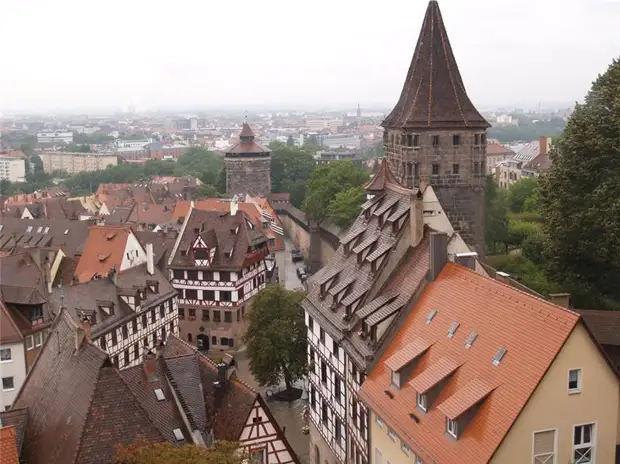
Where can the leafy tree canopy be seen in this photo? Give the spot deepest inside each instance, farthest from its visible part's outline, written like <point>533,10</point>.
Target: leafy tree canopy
<point>142,452</point>
<point>522,193</point>
<point>291,167</point>
<point>580,197</point>
<point>276,336</point>
<point>206,191</point>
<point>345,206</point>
<point>326,183</point>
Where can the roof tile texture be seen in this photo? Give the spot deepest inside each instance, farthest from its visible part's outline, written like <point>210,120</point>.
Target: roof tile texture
<point>532,330</point>
<point>434,95</point>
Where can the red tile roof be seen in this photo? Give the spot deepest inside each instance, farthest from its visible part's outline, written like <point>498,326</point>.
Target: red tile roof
<point>9,331</point>
<point>531,330</point>
<point>8,446</point>
<point>104,248</point>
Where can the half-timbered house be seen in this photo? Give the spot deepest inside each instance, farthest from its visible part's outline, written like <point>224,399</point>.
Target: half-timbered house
<point>175,394</point>
<point>217,265</point>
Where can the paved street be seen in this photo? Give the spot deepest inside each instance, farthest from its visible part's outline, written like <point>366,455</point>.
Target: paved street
<point>288,415</point>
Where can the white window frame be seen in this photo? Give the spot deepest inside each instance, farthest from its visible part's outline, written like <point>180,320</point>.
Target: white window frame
<point>452,427</point>
<point>30,339</point>
<point>379,421</point>
<point>579,370</point>
<point>555,445</point>
<point>422,401</point>
<point>10,355</point>
<point>591,444</point>
<point>418,460</point>
<point>405,449</point>
<point>38,343</point>
<point>391,434</point>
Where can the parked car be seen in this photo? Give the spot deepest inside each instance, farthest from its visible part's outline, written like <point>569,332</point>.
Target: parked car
<point>296,255</point>
<point>301,271</point>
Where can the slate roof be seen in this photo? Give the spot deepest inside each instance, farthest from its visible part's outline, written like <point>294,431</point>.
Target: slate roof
<point>78,407</point>
<point>221,231</point>
<point>84,296</point>
<point>9,330</point>
<point>66,234</point>
<point>371,297</point>
<point>434,95</point>
<point>604,325</point>
<point>530,329</point>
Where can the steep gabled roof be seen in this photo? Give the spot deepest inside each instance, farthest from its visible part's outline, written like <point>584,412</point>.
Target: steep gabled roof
<point>434,95</point>
<point>531,331</point>
<point>9,330</point>
<point>78,407</point>
<point>104,248</point>
<point>246,144</point>
<point>384,179</point>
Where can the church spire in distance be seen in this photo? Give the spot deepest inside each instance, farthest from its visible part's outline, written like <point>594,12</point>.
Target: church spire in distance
<point>434,95</point>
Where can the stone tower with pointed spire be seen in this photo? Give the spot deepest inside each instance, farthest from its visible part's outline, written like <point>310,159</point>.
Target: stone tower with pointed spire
<point>435,135</point>
<point>248,166</point>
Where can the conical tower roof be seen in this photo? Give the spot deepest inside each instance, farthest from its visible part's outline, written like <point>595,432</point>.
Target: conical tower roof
<point>434,95</point>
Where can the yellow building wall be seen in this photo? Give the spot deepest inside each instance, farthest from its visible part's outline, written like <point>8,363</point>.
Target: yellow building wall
<point>552,407</point>
<point>390,449</point>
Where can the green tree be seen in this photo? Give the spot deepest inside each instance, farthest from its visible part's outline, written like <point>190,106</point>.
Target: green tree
<point>276,337</point>
<point>220,184</point>
<point>77,148</point>
<point>206,191</point>
<point>291,168</point>
<point>326,182</point>
<point>142,452</point>
<point>496,227</point>
<point>345,206</point>
<point>521,193</point>
<point>580,198</point>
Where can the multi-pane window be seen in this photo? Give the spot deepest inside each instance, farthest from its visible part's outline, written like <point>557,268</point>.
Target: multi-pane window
<point>323,372</point>
<point>583,444</point>
<point>416,140</point>
<point>435,168</point>
<point>114,341</point>
<point>153,316</point>
<point>456,140</point>
<point>574,381</point>
<point>134,326</point>
<point>337,431</point>
<point>208,295</point>
<point>422,401</point>
<point>452,427</point>
<point>178,274</point>
<point>216,316</point>
<point>162,311</point>
<point>8,383</point>
<point>5,354</point>
<point>225,276</point>
<point>310,323</point>
<point>126,357</point>
<point>125,332</point>
<point>391,434</point>
<point>337,388</point>
<point>205,315</point>
<point>335,348</point>
<point>322,336</point>
<point>191,294</point>
<point>544,447</point>
<point>192,313</point>
<point>225,296</point>
<point>144,321</point>
<point>324,412</point>
<point>455,168</point>
<point>435,140</point>
<point>227,316</point>
<point>38,339</point>
<point>181,314</point>
<point>192,275</point>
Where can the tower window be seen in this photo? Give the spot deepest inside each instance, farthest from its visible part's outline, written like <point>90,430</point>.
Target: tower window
<point>483,139</point>
<point>456,140</point>
<point>455,168</point>
<point>476,167</point>
<point>403,139</point>
<point>476,139</point>
<point>416,140</point>
<point>435,140</point>
<point>435,169</point>
<point>409,140</point>
<point>392,139</point>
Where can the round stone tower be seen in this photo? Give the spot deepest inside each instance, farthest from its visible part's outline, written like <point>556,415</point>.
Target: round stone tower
<point>248,166</point>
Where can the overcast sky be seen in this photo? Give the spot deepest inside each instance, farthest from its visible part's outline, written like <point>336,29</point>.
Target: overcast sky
<point>80,53</point>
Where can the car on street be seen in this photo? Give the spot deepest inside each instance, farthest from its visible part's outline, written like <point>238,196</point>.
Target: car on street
<point>301,273</point>
<point>296,255</point>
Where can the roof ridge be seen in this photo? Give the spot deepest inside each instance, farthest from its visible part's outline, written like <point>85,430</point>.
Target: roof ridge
<point>515,289</point>
<point>5,310</point>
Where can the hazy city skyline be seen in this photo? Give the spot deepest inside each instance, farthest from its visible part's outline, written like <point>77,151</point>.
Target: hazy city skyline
<point>275,53</point>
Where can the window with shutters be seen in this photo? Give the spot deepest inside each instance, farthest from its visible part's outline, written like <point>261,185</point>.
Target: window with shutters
<point>583,444</point>
<point>544,447</point>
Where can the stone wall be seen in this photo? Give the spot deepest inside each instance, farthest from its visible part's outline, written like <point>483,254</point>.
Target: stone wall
<point>248,175</point>
<point>296,228</point>
<point>457,173</point>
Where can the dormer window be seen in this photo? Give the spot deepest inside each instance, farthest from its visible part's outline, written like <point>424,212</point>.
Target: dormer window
<point>422,401</point>
<point>452,428</point>
<point>396,379</point>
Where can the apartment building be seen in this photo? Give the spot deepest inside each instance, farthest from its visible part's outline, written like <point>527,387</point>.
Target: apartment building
<point>76,162</point>
<point>217,265</point>
<point>482,372</point>
<point>54,137</point>
<point>12,169</point>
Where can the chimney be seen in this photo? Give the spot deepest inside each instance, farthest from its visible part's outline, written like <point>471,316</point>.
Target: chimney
<point>438,253</point>
<point>502,277</point>
<point>234,206</point>
<point>159,348</point>
<point>560,299</point>
<point>87,327</point>
<point>543,147</point>
<point>79,338</point>
<point>150,366</point>
<point>467,259</point>
<point>150,264</point>
<point>416,219</point>
<point>222,377</point>
<point>112,275</point>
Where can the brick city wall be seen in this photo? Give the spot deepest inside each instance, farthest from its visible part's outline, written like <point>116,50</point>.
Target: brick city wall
<point>248,175</point>
<point>457,174</point>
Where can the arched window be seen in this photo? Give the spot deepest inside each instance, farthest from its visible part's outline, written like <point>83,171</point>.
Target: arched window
<point>317,455</point>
